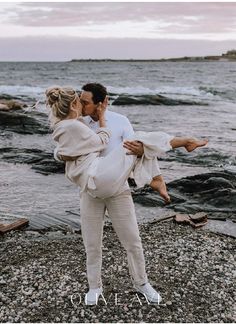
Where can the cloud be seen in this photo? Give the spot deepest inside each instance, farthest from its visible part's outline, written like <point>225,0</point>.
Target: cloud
<point>177,17</point>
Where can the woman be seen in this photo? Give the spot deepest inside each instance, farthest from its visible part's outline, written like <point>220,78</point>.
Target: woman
<point>64,109</point>
<point>99,176</point>
<point>102,177</point>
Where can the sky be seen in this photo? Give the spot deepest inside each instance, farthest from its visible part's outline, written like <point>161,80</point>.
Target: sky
<point>61,31</point>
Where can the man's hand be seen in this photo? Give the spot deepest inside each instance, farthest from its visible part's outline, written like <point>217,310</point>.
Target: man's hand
<point>67,158</point>
<point>101,110</point>
<point>135,148</point>
<point>102,106</point>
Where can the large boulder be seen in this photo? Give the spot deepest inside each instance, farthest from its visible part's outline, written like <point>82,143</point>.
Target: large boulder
<point>7,105</point>
<point>126,99</point>
<point>214,193</point>
<point>23,123</point>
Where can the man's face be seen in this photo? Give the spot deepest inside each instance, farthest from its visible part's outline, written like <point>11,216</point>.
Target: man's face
<point>89,108</point>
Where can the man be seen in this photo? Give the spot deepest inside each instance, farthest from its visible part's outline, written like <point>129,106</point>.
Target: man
<point>120,208</point>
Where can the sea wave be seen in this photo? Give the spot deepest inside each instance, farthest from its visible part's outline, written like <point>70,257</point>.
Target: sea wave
<point>139,90</point>
<point>174,92</point>
<point>28,91</point>
<point>224,93</point>
<point>163,89</point>
<point>126,100</point>
<point>203,94</point>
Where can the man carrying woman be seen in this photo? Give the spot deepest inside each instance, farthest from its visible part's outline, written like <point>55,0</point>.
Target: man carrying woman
<point>101,153</point>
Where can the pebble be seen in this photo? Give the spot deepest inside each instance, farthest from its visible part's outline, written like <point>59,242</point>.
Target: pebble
<point>3,282</point>
<point>169,303</point>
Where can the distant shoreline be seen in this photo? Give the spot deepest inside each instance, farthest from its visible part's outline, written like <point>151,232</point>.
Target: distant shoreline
<point>221,58</point>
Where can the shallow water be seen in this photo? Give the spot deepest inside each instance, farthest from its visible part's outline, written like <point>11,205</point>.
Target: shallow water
<point>43,199</point>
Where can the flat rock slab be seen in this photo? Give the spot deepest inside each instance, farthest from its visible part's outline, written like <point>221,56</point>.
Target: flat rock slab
<point>196,220</point>
<point>224,227</point>
<point>221,227</point>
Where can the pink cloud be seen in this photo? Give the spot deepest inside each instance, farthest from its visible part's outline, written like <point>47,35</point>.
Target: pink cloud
<point>209,17</point>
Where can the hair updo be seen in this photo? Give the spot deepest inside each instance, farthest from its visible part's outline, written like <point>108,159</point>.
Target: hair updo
<point>59,99</point>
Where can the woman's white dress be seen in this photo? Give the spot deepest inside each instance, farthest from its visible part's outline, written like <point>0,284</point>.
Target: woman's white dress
<point>102,177</point>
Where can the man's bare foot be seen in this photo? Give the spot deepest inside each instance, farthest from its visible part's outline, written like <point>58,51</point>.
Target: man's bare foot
<point>158,184</point>
<point>194,143</point>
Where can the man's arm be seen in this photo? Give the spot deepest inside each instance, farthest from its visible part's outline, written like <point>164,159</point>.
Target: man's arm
<point>128,131</point>
<point>135,147</point>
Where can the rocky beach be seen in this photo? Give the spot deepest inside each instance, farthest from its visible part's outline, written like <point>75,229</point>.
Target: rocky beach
<point>42,277</point>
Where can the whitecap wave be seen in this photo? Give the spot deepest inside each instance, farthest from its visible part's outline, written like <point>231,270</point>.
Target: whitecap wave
<point>21,90</point>
<point>163,90</point>
<point>172,92</point>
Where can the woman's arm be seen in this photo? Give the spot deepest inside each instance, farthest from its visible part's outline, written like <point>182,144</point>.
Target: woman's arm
<point>76,139</point>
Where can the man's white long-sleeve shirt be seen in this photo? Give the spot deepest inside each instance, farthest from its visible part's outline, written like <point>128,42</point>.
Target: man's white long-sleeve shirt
<point>118,125</point>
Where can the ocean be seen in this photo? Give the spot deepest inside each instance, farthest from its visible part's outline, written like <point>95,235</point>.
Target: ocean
<point>207,88</point>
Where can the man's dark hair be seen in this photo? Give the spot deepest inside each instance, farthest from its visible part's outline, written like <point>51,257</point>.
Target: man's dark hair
<point>98,90</point>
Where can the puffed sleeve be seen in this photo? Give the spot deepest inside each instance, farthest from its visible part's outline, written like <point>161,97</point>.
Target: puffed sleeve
<point>76,139</point>
<point>104,134</point>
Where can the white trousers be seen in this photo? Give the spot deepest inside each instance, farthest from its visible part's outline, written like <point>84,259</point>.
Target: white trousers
<point>122,214</point>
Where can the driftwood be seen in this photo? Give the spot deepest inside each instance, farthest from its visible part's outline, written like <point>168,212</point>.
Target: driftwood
<point>13,226</point>
<point>196,220</point>
<point>163,218</point>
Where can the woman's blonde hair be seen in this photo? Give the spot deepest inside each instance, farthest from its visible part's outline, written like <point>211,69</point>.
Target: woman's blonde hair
<point>59,100</point>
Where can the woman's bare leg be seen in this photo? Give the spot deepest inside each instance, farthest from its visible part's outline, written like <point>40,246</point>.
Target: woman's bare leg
<point>189,143</point>
<point>158,184</point>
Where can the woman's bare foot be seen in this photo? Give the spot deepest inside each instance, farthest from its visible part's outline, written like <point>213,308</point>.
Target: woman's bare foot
<point>189,143</point>
<point>193,143</point>
<point>158,184</point>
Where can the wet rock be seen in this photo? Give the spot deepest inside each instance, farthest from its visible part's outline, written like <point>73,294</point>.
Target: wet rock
<point>206,157</point>
<point>226,227</point>
<point>18,120</point>
<point>47,166</point>
<point>24,123</point>
<point>7,105</point>
<point>3,106</point>
<point>214,193</point>
<point>126,99</point>
<point>220,182</point>
<point>41,161</point>
<point>205,182</point>
<point>5,96</point>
